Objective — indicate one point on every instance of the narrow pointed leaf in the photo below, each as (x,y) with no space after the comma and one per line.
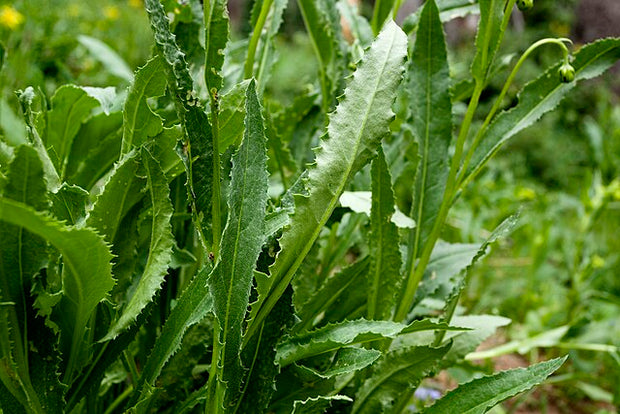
(347,147)
(242,240)
(335,336)
(107,56)
(488,37)
(266,55)
(541,96)
(216,37)
(199,164)
(160,249)
(429,83)
(139,122)
(482,394)
(381,11)
(394,377)
(384,278)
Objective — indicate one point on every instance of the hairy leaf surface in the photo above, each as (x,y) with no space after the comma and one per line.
(160,249)
(242,240)
(384,278)
(348,146)
(480,395)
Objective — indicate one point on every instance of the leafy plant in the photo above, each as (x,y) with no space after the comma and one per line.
(189,220)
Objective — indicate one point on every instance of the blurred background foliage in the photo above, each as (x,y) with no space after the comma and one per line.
(559,269)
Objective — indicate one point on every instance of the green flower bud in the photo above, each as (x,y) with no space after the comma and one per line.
(525,5)
(567,73)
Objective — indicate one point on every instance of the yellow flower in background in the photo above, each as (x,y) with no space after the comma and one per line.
(9,17)
(136,3)
(111,12)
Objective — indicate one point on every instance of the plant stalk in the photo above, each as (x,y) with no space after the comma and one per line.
(248,69)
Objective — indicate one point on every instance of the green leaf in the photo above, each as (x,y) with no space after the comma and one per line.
(394,378)
(86,278)
(480,395)
(160,249)
(429,83)
(361,202)
(381,11)
(232,114)
(348,359)
(488,37)
(360,28)
(448,10)
(95,148)
(107,56)
(334,336)
(122,190)
(13,128)
(323,25)
(242,240)
(69,203)
(139,122)
(266,56)
(347,147)
(216,37)
(71,105)
(384,278)
(341,284)
(316,405)
(199,165)
(541,96)
(22,254)
(192,306)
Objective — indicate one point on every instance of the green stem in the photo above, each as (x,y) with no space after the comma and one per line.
(117,402)
(416,271)
(131,366)
(258,29)
(470,153)
(216,222)
(213,404)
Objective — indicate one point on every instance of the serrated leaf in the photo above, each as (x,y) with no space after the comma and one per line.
(349,359)
(192,306)
(216,37)
(199,165)
(86,278)
(431,107)
(139,121)
(384,278)
(480,395)
(232,114)
(394,377)
(346,149)
(316,405)
(160,249)
(334,336)
(541,96)
(22,254)
(69,203)
(488,37)
(242,240)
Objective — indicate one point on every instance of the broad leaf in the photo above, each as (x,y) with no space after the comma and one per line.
(480,395)
(86,278)
(160,249)
(347,147)
(139,122)
(394,378)
(384,278)
(242,240)
(541,96)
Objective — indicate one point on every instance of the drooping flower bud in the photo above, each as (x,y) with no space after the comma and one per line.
(567,73)
(525,5)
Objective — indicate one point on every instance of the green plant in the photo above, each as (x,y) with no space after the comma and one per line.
(189,222)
